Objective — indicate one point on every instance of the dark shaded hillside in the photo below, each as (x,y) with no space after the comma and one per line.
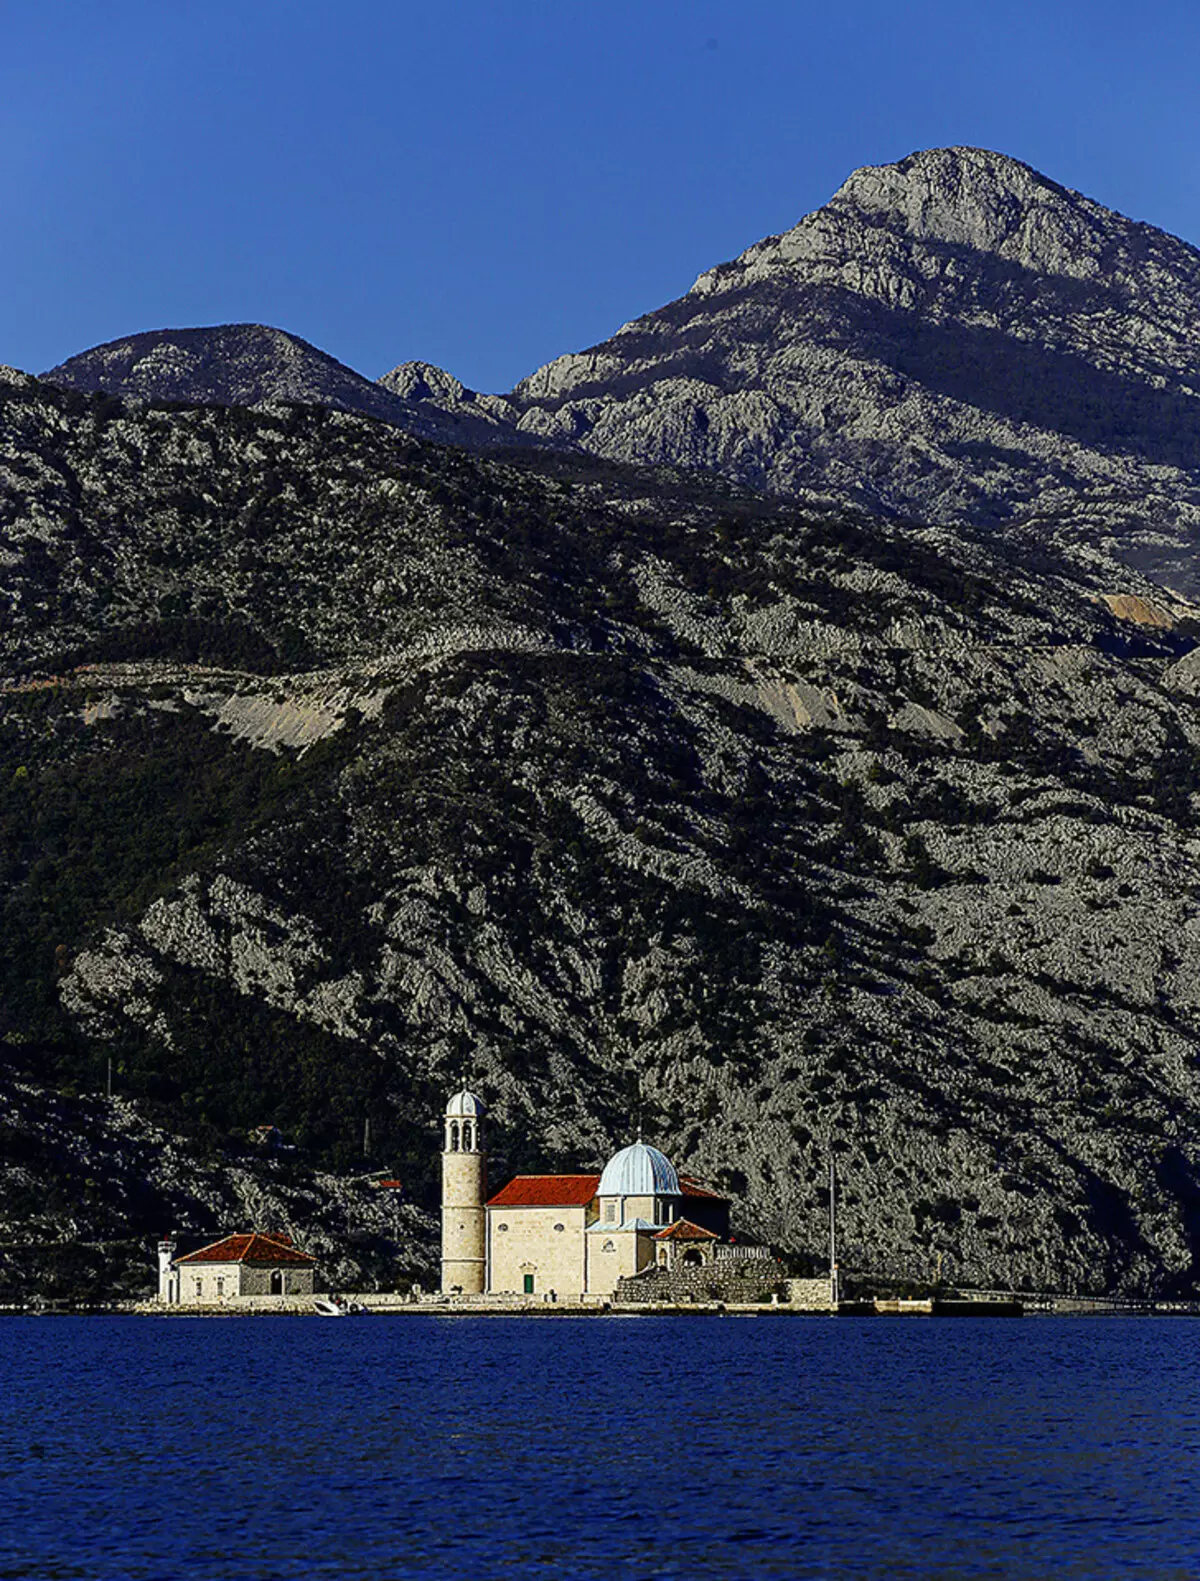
(332,762)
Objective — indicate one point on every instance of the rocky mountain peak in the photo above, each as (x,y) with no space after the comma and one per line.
(481,422)
(939,199)
(953,337)
(238,365)
(965,196)
(422,381)
(227,364)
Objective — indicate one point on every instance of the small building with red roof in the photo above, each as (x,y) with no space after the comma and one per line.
(684,1245)
(250,1264)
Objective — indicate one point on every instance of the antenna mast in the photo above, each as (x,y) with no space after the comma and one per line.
(833,1263)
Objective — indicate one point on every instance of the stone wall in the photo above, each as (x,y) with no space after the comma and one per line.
(749,1280)
(257,1281)
(814,1294)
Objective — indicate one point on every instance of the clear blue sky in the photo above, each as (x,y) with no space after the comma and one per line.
(487,183)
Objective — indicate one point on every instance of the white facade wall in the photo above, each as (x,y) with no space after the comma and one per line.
(208,1283)
(612,1255)
(541,1245)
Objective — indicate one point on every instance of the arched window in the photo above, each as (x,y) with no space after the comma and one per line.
(692,1258)
(454,1136)
(466,1137)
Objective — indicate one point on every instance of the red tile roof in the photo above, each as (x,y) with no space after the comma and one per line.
(685,1230)
(252,1248)
(547,1191)
(691,1187)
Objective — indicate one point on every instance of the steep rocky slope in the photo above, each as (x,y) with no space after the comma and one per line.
(953,338)
(333,764)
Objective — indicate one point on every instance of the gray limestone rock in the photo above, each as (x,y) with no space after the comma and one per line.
(954,337)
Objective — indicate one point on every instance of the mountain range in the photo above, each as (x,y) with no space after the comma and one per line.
(786,708)
(954,338)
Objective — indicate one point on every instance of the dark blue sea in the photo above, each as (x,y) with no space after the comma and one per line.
(598,1447)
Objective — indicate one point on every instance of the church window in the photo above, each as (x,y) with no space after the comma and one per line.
(466,1138)
(560,1226)
(610,1213)
(454,1136)
(609,1246)
(502,1226)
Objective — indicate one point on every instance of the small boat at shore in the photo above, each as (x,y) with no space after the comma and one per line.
(337,1306)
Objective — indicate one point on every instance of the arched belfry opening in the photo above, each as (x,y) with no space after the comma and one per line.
(464,1135)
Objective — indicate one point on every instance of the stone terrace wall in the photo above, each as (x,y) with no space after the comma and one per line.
(753,1279)
(816,1294)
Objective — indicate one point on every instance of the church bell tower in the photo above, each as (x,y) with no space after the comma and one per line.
(464,1192)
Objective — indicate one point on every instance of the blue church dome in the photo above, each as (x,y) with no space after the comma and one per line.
(639,1171)
(467,1106)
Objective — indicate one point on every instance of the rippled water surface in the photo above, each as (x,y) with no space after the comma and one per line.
(580,1447)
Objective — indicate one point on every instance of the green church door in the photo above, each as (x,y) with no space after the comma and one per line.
(528,1284)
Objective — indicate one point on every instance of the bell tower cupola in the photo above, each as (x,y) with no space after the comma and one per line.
(464,1193)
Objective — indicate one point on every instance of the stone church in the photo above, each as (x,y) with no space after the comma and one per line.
(575,1235)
